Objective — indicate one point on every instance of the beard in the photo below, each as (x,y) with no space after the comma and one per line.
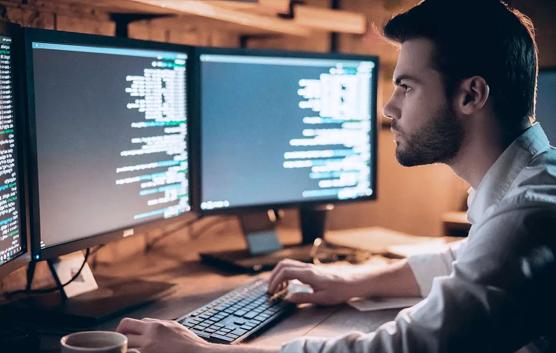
(438,141)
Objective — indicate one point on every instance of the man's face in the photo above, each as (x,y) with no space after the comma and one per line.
(425,127)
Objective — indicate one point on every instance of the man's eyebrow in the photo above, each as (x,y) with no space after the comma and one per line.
(399,79)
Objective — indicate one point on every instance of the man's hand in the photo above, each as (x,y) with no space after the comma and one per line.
(156,336)
(329,287)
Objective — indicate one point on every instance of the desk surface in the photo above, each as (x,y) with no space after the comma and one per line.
(176,261)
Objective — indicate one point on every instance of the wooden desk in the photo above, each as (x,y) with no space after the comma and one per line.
(176,260)
(455,224)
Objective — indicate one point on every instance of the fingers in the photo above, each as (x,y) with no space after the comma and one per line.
(313,298)
(135,341)
(287,263)
(304,274)
(131,326)
(152,335)
(169,324)
(151,320)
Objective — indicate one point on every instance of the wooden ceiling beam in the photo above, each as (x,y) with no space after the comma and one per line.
(212,11)
(265,7)
(330,20)
(259,16)
(120,6)
(179,22)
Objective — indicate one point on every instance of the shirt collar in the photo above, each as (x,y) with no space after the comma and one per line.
(500,176)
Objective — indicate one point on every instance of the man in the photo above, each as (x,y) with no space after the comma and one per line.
(464,95)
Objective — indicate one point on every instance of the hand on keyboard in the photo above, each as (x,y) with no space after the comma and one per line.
(329,288)
(236,315)
(155,336)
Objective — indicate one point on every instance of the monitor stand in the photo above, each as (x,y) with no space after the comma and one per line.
(264,250)
(113,297)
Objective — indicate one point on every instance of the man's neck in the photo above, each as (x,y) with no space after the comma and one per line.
(480,149)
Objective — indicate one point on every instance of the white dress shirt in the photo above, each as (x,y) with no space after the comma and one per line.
(492,292)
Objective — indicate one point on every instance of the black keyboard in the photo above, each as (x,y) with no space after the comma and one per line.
(237,315)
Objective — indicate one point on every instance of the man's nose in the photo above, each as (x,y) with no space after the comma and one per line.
(390,110)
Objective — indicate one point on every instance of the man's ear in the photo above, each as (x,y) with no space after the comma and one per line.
(472,95)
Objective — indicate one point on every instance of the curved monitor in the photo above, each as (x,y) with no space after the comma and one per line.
(108,123)
(13,236)
(282,129)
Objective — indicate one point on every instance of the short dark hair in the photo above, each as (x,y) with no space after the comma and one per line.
(486,38)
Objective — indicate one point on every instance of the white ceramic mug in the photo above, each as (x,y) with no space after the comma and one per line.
(95,342)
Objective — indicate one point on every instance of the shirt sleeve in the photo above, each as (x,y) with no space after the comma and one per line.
(491,302)
(426,267)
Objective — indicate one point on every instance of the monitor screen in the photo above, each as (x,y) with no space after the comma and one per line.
(12,236)
(110,125)
(546,103)
(279,129)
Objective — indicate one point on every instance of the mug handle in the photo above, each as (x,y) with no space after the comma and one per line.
(132,350)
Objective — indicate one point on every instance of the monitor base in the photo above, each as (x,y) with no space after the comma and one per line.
(264,250)
(114,297)
(243,261)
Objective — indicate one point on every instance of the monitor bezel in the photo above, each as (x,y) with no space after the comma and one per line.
(53,251)
(15,32)
(196,129)
(548,70)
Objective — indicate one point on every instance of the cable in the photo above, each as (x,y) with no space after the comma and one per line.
(93,252)
(94,258)
(51,289)
(77,274)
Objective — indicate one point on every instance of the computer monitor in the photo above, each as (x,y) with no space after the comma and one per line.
(546,102)
(108,134)
(283,129)
(13,236)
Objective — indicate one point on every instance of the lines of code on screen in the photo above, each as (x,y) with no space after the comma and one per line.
(285,130)
(10,233)
(111,127)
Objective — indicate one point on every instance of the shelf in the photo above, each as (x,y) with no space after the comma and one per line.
(248,17)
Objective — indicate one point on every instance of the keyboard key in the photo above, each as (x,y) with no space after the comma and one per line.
(250,315)
(201,334)
(240,313)
(239,332)
(222,338)
(240,321)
